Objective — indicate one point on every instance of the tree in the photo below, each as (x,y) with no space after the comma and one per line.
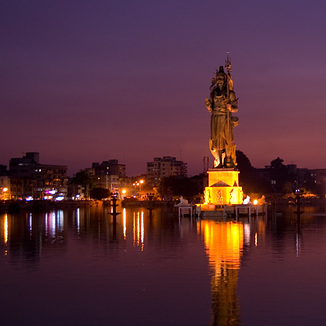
(82,178)
(249,178)
(99,193)
(180,186)
(279,175)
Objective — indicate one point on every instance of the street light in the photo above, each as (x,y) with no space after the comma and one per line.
(140,183)
(123,193)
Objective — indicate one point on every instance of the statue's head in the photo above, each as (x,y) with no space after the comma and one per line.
(220,78)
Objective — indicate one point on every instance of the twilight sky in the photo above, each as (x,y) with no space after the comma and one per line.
(88,81)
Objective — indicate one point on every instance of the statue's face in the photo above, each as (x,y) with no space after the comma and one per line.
(220,81)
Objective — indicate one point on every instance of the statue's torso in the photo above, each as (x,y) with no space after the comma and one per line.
(219,104)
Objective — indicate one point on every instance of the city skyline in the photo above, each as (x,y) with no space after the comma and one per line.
(146,164)
(87,82)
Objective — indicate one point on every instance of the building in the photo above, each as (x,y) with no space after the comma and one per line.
(164,167)
(311,180)
(3,170)
(320,175)
(110,167)
(111,182)
(30,179)
(109,175)
(5,189)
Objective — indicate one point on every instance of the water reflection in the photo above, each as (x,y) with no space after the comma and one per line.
(54,225)
(224,245)
(5,229)
(138,229)
(97,225)
(155,259)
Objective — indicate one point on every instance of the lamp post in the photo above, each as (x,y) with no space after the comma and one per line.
(140,183)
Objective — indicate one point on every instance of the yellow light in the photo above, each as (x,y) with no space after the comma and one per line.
(255,202)
(5,189)
(123,191)
(141,181)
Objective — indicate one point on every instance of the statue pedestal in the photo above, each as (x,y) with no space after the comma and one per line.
(223,187)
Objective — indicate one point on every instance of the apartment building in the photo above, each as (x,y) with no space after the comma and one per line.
(165,166)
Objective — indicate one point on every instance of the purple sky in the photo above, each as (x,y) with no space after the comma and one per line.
(87,81)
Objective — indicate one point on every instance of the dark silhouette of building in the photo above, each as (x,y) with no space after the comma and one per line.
(29,178)
(110,167)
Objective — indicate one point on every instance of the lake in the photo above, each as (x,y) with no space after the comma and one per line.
(84,267)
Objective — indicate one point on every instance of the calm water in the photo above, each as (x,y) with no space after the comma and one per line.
(78,267)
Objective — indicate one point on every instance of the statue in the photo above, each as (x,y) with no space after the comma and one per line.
(222,103)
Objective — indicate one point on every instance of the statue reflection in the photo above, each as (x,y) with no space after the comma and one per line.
(224,245)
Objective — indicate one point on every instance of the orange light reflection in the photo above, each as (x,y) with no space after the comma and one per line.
(124,223)
(5,229)
(138,229)
(224,243)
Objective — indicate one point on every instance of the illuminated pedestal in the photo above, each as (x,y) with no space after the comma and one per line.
(223,188)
